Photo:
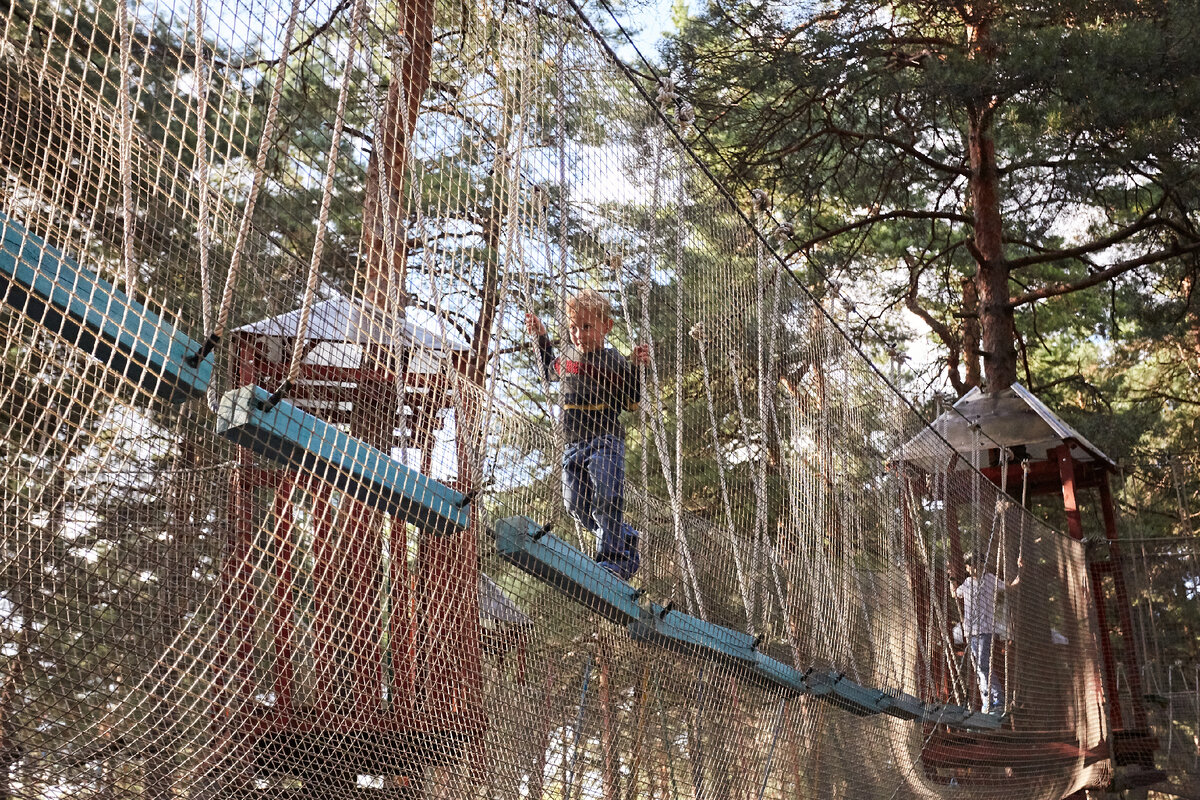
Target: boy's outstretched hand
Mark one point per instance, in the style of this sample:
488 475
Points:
533 325
641 354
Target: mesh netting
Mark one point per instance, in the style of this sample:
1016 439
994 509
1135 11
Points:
356 205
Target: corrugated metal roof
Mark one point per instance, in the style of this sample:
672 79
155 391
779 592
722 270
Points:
1013 417
340 319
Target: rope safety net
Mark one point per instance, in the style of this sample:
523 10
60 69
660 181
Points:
378 196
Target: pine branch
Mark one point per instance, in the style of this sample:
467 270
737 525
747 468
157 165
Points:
1059 289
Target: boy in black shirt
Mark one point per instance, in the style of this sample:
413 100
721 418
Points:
598 383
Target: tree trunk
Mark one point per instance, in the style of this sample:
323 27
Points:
970 334
385 272
489 294
991 278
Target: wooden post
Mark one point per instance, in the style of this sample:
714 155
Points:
1124 609
1066 471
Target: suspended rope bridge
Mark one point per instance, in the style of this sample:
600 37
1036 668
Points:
294 364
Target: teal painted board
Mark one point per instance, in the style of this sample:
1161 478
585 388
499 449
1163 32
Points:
525 543
904 706
978 721
855 698
684 633
954 716
775 673
295 438
131 340
820 684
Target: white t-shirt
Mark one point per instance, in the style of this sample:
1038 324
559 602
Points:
979 597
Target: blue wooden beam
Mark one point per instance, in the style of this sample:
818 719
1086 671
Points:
855 698
530 546
904 706
775 673
692 636
951 715
134 342
293 437
978 721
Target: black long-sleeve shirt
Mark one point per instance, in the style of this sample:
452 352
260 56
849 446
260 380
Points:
596 388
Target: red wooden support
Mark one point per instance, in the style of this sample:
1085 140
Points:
395 646
1124 608
1066 472
1096 579
281 623
1066 468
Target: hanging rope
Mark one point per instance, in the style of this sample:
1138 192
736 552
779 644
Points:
760 203
200 70
124 93
699 334
314 264
690 583
260 166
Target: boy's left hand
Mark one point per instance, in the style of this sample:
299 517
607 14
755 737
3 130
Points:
641 354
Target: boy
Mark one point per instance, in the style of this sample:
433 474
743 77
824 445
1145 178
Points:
598 383
979 596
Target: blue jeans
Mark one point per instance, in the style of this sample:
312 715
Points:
594 494
991 690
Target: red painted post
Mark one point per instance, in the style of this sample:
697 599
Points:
281 622
1124 608
1066 471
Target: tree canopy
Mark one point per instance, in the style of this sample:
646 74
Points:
982 164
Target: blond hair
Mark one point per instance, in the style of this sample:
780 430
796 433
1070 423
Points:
590 300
